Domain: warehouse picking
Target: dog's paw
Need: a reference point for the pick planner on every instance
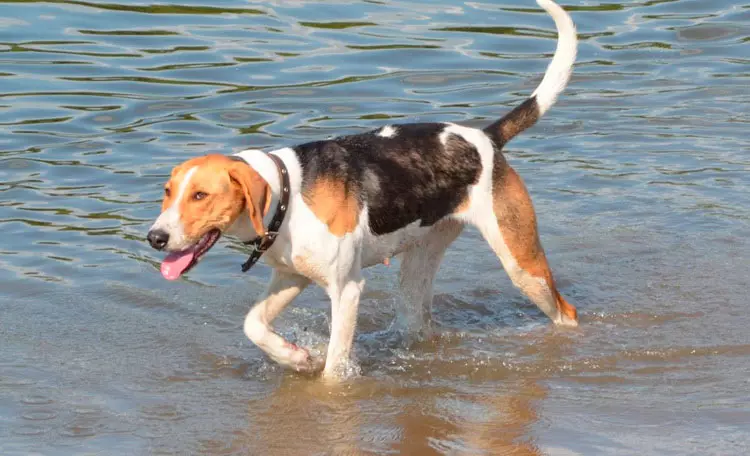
(302, 361)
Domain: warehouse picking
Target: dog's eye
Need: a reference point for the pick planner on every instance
(167, 193)
(199, 195)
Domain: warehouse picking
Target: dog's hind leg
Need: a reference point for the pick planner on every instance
(512, 233)
(284, 287)
(419, 266)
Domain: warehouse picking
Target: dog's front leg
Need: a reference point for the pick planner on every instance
(344, 306)
(284, 287)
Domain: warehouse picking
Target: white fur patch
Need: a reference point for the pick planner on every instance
(558, 71)
(184, 185)
(480, 194)
(388, 131)
(376, 248)
(170, 220)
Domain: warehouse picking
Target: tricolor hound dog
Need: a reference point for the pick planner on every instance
(351, 202)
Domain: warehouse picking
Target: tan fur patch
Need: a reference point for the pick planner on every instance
(171, 188)
(222, 203)
(256, 191)
(333, 205)
(517, 222)
(225, 197)
(565, 307)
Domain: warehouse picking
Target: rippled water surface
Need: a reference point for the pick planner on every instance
(639, 176)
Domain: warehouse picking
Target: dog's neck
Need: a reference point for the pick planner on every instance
(259, 161)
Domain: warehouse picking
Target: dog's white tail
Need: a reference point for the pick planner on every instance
(555, 79)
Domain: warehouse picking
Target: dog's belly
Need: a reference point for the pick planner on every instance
(376, 249)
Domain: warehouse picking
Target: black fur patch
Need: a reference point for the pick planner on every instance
(408, 177)
(519, 119)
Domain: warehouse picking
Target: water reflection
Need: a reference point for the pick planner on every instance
(300, 417)
(639, 176)
(495, 412)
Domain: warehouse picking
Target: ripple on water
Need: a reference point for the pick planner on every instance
(36, 399)
(30, 430)
(638, 176)
(705, 32)
(39, 415)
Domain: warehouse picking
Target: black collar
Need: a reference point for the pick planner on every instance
(263, 243)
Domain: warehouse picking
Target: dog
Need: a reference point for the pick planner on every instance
(351, 202)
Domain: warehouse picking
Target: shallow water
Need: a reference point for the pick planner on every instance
(639, 175)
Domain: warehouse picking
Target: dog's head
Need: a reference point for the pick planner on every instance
(204, 198)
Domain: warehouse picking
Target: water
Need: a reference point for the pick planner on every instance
(639, 176)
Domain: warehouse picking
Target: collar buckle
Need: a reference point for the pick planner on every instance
(263, 243)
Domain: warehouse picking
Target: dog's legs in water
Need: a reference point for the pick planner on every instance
(282, 289)
(419, 266)
(344, 306)
(344, 290)
(512, 233)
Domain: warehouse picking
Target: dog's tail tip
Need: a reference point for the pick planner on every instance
(558, 72)
(555, 79)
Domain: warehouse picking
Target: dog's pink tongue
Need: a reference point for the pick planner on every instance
(175, 264)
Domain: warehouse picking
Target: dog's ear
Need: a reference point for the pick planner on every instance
(256, 192)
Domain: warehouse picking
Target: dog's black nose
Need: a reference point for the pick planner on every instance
(158, 238)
